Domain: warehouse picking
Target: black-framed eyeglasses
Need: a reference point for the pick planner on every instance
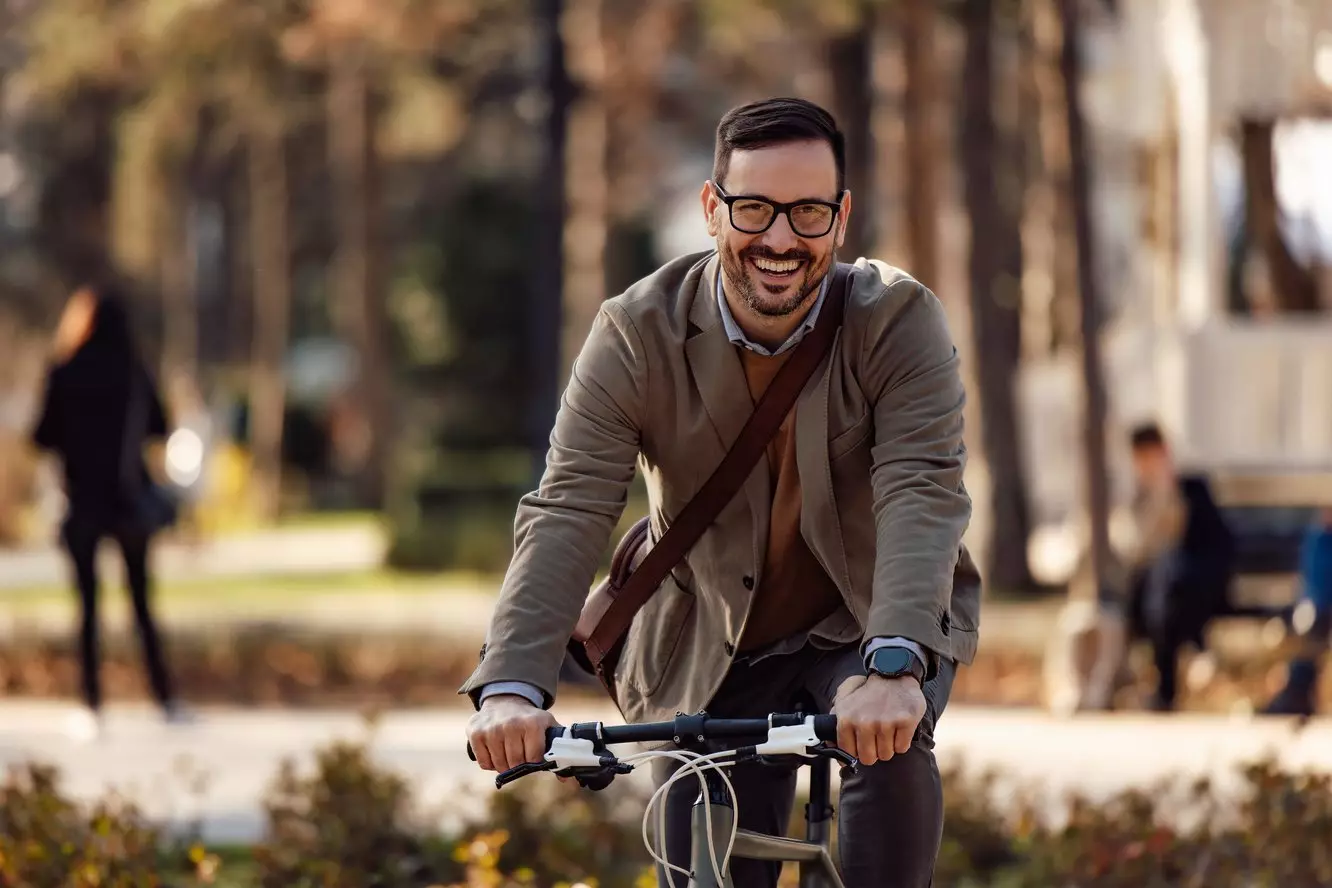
(754, 215)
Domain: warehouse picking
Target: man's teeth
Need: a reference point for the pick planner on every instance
(777, 267)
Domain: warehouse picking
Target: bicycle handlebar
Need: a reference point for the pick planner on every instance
(688, 730)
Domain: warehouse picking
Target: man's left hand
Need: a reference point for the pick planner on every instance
(877, 716)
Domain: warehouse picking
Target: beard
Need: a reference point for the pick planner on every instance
(760, 297)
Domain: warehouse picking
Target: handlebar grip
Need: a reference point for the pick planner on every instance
(825, 728)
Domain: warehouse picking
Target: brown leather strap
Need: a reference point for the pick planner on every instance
(729, 476)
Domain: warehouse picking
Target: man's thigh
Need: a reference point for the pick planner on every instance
(891, 813)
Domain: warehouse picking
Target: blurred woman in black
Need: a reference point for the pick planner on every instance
(101, 407)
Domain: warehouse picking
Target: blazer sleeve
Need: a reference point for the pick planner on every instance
(921, 508)
(562, 529)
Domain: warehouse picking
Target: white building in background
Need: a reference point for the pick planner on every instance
(1172, 78)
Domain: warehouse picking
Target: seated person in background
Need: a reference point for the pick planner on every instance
(1312, 621)
(1182, 561)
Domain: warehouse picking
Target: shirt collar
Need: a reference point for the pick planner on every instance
(737, 336)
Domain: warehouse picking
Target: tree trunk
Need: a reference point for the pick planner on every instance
(586, 187)
(850, 60)
(1294, 288)
(548, 268)
(994, 207)
(1095, 468)
(923, 149)
(272, 310)
(1051, 313)
(180, 310)
(358, 263)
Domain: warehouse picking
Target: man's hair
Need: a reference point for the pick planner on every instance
(1147, 435)
(777, 121)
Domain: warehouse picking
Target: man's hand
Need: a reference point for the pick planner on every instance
(877, 716)
(508, 731)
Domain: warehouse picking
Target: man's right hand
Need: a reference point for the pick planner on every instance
(508, 731)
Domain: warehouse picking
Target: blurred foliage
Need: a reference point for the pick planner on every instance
(47, 840)
(350, 822)
(249, 661)
(346, 825)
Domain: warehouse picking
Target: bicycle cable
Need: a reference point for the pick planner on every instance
(694, 764)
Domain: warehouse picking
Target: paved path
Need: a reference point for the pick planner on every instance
(237, 753)
(295, 550)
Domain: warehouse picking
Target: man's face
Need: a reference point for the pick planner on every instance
(796, 171)
(1151, 465)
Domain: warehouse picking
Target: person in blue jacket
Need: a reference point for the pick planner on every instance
(1312, 621)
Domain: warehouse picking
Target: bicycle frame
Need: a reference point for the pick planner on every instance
(813, 853)
(579, 751)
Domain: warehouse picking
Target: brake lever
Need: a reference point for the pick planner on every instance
(595, 779)
(517, 773)
(848, 762)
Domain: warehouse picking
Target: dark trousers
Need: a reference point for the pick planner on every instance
(890, 818)
(1171, 603)
(82, 535)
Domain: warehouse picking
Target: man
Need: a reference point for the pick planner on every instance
(837, 577)
(1182, 561)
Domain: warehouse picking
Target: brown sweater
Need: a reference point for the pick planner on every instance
(795, 593)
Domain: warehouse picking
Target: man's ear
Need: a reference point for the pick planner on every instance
(843, 219)
(710, 202)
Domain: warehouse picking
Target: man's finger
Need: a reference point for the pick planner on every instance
(483, 758)
(903, 736)
(846, 738)
(513, 748)
(867, 745)
(534, 743)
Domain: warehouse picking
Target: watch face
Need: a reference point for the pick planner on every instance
(893, 661)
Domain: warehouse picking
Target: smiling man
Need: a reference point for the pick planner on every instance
(837, 579)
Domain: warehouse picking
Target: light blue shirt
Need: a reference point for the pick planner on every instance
(789, 645)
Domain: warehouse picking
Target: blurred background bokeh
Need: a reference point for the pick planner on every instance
(364, 240)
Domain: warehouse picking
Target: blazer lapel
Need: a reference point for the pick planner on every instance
(719, 377)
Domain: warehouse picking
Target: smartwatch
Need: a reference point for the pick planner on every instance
(895, 662)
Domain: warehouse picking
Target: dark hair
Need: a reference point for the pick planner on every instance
(776, 122)
(1146, 435)
(112, 327)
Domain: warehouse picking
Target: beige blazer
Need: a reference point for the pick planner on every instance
(658, 384)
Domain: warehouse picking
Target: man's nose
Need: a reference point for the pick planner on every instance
(780, 237)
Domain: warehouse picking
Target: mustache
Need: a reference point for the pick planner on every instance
(772, 256)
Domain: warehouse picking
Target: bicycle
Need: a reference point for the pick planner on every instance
(581, 751)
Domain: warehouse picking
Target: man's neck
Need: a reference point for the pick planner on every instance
(769, 332)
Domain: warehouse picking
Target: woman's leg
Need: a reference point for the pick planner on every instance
(134, 548)
(81, 537)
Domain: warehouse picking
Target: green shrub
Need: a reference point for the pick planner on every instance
(350, 824)
(48, 840)
(354, 824)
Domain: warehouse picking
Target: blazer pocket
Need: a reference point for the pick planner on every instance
(852, 438)
(653, 640)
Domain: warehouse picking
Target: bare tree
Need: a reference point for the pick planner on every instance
(1095, 408)
(1294, 287)
(992, 171)
(271, 257)
(923, 148)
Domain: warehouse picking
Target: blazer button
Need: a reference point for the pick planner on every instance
(730, 649)
(749, 582)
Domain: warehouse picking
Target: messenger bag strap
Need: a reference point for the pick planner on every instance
(728, 477)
